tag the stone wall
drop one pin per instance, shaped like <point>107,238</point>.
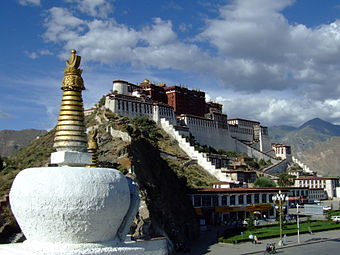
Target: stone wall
<point>207,133</point>
<point>277,167</point>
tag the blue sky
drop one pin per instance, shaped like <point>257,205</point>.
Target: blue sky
<point>275,61</point>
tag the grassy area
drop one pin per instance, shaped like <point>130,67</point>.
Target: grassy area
<point>334,212</point>
<point>271,231</point>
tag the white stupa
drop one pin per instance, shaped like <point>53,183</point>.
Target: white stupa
<point>71,209</point>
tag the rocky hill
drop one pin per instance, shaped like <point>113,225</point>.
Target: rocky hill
<point>149,155</point>
<point>314,143</point>
<point>12,140</point>
<point>324,157</point>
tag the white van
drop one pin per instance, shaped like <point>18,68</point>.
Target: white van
<point>335,218</point>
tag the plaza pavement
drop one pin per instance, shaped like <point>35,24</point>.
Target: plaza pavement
<point>207,244</point>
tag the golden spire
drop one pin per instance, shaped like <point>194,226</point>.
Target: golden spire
<point>70,134</point>
<point>93,147</point>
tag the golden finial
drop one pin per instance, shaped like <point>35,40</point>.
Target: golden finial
<point>70,134</point>
<point>93,147</point>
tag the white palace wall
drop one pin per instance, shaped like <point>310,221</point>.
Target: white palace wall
<point>135,109</point>
<point>206,132</point>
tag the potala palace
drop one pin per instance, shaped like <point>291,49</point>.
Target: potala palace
<point>184,113</point>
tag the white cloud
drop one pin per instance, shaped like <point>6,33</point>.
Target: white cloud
<point>32,55</point>
<point>272,110</point>
<point>35,55</point>
<point>94,8</point>
<point>30,2</point>
<point>252,49</point>
<point>257,48</point>
<point>62,25</point>
<point>45,52</point>
<point>4,115</point>
<point>269,52</point>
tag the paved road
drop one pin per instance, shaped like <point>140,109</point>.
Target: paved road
<point>317,244</point>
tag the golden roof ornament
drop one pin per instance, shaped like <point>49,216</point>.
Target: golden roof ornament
<point>93,147</point>
<point>70,134</point>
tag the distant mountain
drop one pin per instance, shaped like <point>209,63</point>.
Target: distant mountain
<point>12,140</point>
<point>324,157</point>
<point>277,132</point>
<point>315,143</point>
<point>322,126</point>
<point>306,136</point>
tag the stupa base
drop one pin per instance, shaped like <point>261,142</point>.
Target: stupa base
<point>152,247</point>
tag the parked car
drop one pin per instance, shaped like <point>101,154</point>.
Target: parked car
<point>327,208</point>
<point>335,218</point>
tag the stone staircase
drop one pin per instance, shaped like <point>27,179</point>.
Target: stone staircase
<point>304,167</point>
<point>201,158</point>
<point>278,167</point>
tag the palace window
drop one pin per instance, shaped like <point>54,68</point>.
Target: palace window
<point>206,201</point>
<point>232,200</point>
<point>197,201</point>
<point>256,198</point>
<point>249,199</point>
<point>214,200</point>
<point>241,199</point>
<point>224,200</point>
<point>264,198</point>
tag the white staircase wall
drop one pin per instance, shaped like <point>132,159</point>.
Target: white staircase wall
<point>192,153</point>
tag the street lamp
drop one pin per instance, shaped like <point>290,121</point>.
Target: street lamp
<point>279,200</point>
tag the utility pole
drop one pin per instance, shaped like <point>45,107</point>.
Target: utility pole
<point>297,222</point>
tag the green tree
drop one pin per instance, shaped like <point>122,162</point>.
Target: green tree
<point>264,182</point>
<point>101,101</point>
<point>286,180</point>
<point>329,215</point>
<point>252,163</point>
<point>250,222</point>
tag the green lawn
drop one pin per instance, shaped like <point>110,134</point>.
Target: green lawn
<point>270,231</point>
<point>335,212</point>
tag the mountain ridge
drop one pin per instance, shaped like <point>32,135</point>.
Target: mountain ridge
<point>13,140</point>
<point>313,144</point>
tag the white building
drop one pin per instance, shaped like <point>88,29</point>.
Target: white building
<point>328,184</point>
<point>282,151</point>
<point>250,132</point>
<point>134,107</point>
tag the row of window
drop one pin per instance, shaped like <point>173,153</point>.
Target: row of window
<point>230,200</point>
<point>312,181</point>
<point>300,193</point>
<point>135,107</point>
<point>312,186</point>
<point>164,111</point>
<point>200,122</point>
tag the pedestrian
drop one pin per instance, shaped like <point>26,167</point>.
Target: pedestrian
<point>310,230</point>
<point>256,241</point>
<point>251,238</point>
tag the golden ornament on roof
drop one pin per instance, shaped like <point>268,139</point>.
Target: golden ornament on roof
<point>70,133</point>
